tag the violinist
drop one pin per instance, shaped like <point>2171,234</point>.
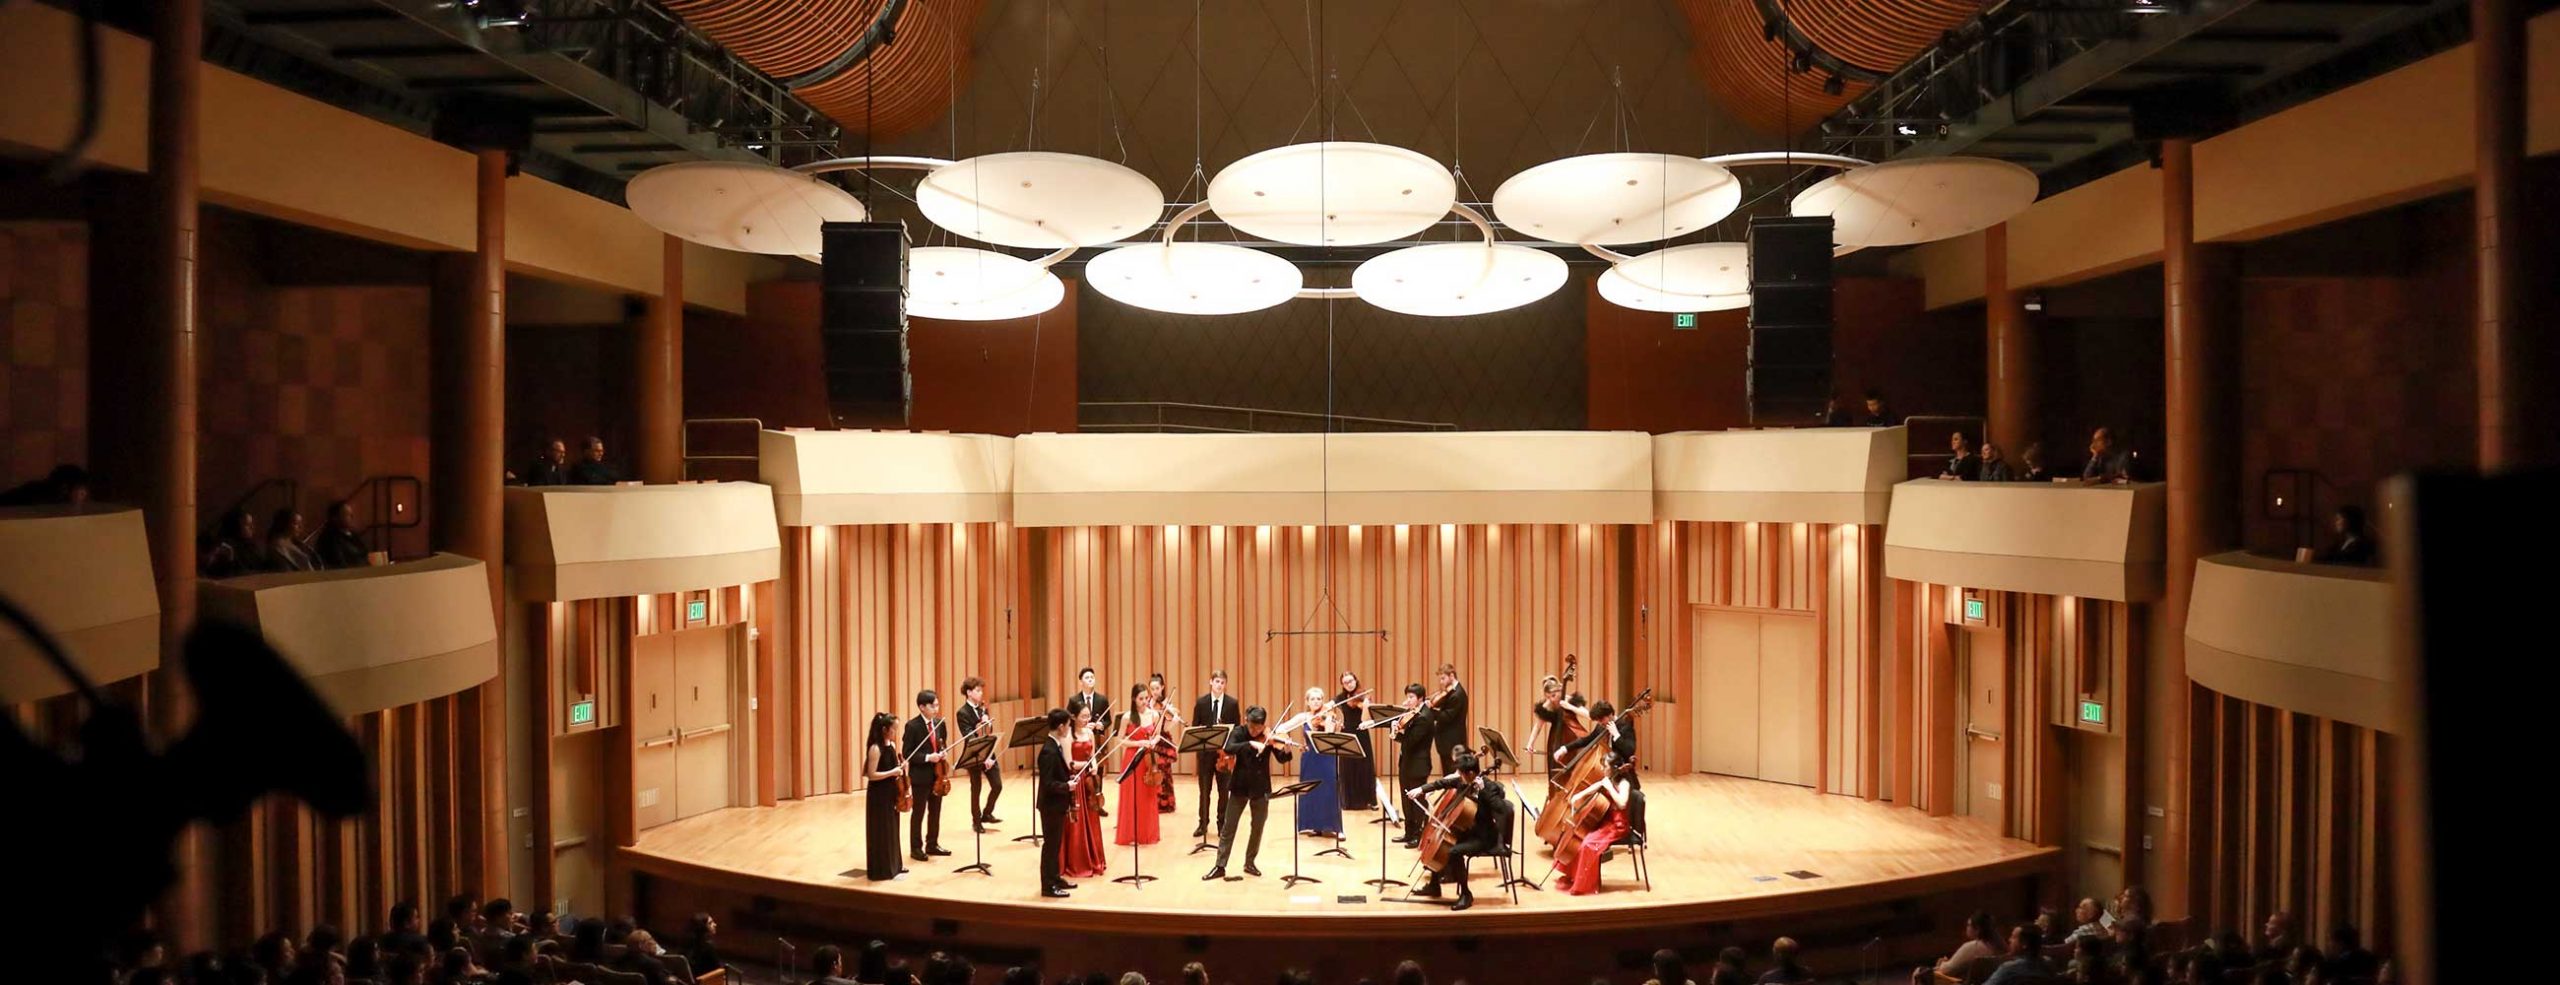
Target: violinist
<point>1254,747</point>
<point>1213,708</point>
<point>928,742</point>
<point>1142,736</point>
<point>1094,704</point>
<point>881,768</point>
<point>975,717</point>
<point>1578,854</point>
<point>1057,793</point>
<point>1359,775</point>
<point>1415,734</point>
<point>1618,739</point>
<point>1566,717</point>
<point>1452,705</point>
<point>1485,837</point>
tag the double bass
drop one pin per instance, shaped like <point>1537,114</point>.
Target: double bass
<point>1569,718</point>
<point>1585,770</point>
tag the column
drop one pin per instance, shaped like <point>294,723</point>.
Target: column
<point>2203,499</point>
<point>2009,350</point>
<point>659,450</point>
<point>2502,336</point>
<point>466,510</point>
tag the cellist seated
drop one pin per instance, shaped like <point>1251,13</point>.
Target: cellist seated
<point>1475,837</point>
<point>1599,821</point>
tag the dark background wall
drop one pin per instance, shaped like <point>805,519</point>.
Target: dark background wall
<point>44,346</point>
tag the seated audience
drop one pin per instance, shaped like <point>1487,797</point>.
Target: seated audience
<point>284,543</point>
<point>235,549</point>
<point>552,468</point>
<point>1732,968</point>
<point>340,544</point>
<point>2026,962</point>
<point>404,934</point>
<point>1962,465</point>
<point>273,954</point>
<point>1410,973</point>
<point>826,966</point>
<point>1877,415</point>
<point>66,485</point>
<point>1668,969</point>
<point>2108,461</point>
<point>2354,545</point>
<point>1195,973</point>
<point>1981,945</point>
<point>2031,467</point>
<point>1995,468</point>
<point>2276,938</point>
<point>699,952</point>
<point>2348,960</point>
<point>593,471</point>
<point>2088,920</point>
<point>1782,952</point>
<point>498,922</point>
<point>642,956</point>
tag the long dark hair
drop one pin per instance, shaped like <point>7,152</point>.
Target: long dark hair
<point>881,722</point>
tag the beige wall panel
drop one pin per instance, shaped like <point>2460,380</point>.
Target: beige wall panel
<point>86,577</point>
<point>1803,475</point>
<point>1729,693</point>
<point>1789,664</point>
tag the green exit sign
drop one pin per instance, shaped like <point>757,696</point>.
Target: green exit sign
<point>1975,610</point>
<point>2093,712</point>
<point>583,712</point>
<point>697,610</point>
<point>1685,319</point>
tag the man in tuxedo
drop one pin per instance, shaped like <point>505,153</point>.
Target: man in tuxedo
<point>1089,699</point>
<point>1213,708</point>
<point>1057,793</point>
<point>1618,737</point>
<point>1489,836</point>
<point>1254,747</point>
<point>928,741</point>
<point>1415,737</point>
<point>973,717</point>
<point>1453,718</point>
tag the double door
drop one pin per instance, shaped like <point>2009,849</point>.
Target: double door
<point>681,717</point>
<point>1756,676</point>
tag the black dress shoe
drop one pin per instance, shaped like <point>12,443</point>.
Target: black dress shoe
<point>1251,871</point>
<point>919,856</point>
<point>1200,832</point>
<point>938,850</point>
<point>977,829</point>
<point>1054,893</point>
<point>1214,874</point>
<point>1429,890</point>
<point>992,819</point>
<point>1409,844</point>
<point>1465,900</point>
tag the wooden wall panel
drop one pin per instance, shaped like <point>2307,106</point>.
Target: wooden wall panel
<point>2301,817</point>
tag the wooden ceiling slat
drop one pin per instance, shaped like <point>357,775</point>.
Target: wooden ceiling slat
<point>784,38</point>
<point>1749,73</point>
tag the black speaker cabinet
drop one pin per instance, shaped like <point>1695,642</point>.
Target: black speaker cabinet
<point>863,317</point>
<point>1790,318</point>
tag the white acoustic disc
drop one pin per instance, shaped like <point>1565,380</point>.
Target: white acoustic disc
<point>1615,199</point>
<point>1333,193</point>
<point>735,205</point>
<point>1041,200</point>
<point>1449,279</point>
<point>1696,277</point>
<point>1194,278</point>
<point>959,283</point>
<point>1898,203</point>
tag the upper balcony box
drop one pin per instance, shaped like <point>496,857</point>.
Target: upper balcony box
<point>830,478</point>
<point>2099,542</point>
<point>583,542</point>
<point>85,576</point>
<point>367,639</point>
<point>1808,475</point>
<point>2308,638</point>
<point>1065,480</point>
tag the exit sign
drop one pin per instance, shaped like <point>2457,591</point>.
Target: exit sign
<point>2093,712</point>
<point>697,610</point>
<point>583,712</point>
<point>1685,319</point>
<point>1975,610</point>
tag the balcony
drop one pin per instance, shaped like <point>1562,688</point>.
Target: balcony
<point>85,576</point>
<point>580,542</point>
<point>367,639</point>
<point>1810,475</point>
<point>2308,638</point>
<point>831,478</point>
<point>2100,542</point>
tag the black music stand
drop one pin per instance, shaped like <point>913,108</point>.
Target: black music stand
<point>1136,878</point>
<point>1343,747</point>
<point>1200,739</point>
<point>1029,732</point>
<point>1291,880</point>
<point>975,750</point>
<point>1520,845</point>
<point>1503,757</point>
<point>1381,736</point>
<point>1390,804</point>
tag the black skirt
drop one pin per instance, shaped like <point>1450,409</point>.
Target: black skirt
<point>880,822</point>
<point>1359,776</point>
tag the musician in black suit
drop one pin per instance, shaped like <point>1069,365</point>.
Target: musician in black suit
<point>928,742</point>
<point>1057,793</point>
<point>1620,736</point>
<point>1213,708</point>
<point>1254,747</point>
<point>974,715</point>
<point>1453,718</point>
<point>1415,736</point>
<point>1487,837</point>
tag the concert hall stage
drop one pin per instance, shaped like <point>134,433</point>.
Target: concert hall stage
<point>1726,852</point>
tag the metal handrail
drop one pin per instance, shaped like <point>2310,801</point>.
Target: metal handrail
<point>292,497</point>
<point>684,441</point>
<point>1251,415</point>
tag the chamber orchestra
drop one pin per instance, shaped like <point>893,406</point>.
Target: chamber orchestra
<point>1098,761</point>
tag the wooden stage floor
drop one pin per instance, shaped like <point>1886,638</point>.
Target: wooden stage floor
<point>1723,848</point>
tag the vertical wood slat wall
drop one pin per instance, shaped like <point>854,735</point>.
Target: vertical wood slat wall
<point>2300,821</point>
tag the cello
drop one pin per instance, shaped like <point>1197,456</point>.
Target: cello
<point>1585,769</point>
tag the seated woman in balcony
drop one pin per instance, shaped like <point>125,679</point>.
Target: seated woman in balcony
<point>2031,466</point>
<point>235,549</point>
<point>284,543</point>
<point>2354,545</point>
<point>1994,467</point>
<point>1962,464</point>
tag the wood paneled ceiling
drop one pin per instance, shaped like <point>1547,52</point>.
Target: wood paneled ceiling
<point>893,89</point>
<point>1748,69</point>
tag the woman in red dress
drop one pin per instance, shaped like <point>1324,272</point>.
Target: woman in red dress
<point>1144,743</point>
<point>1083,855</point>
<point>1579,852</point>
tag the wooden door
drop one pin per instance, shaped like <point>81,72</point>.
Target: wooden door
<point>1986,722</point>
<point>703,747</point>
<point>1787,692</point>
<point>1726,729</point>
<point>652,721</point>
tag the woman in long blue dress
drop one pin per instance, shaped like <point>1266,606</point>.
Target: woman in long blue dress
<point>1320,809</point>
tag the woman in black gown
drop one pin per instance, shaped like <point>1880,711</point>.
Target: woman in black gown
<point>881,767</point>
<point>1359,776</point>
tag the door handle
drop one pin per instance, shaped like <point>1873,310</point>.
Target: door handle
<point>668,739</point>
<point>706,730</point>
<point>1977,732</point>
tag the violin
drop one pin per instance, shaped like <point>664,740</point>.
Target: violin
<point>941,767</point>
<point>906,789</point>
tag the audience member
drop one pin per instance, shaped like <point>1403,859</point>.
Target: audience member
<point>2348,960</point>
<point>2276,938</point>
<point>2108,461</point>
<point>1877,415</point>
<point>1981,944</point>
<point>1962,465</point>
<point>235,549</point>
<point>1732,967</point>
<point>273,954</point>
<point>552,467</point>
<point>2026,959</point>
<point>593,471</point>
<point>700,953</point>
<point>874,968</point>
<point>1995,468</point>
<point>826,966</point>
<point>404,933</point>
<point>1782,952</point>
<point>66,485</point>
<point>284,543</point>
<point>642,956</point>
<point>1669,969</point>
<point>2354,545</point>
<point>1195,973</point>
<point>340,544</point>
<point>2031,467</point>
<point>1410,973</point>
<point>498,922</point>
<point>2088,920</point>
<point>1132,978</point>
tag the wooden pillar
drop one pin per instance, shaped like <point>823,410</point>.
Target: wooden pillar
<point>660,363</point>
<point>2203,495</point>
<point>2497,203</point>
<point>2010,352</point>
<point>466,474</point>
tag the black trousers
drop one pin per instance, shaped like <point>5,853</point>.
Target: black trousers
<point>994,780</point>
<point>1450,745</point>
<point>1207,768</point>
<point>1466,850</point>
<point>1053,842</point>
<point>1234,813</point>
<point>1408,778</point>
<point>924,824</point>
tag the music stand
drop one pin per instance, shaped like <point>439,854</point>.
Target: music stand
<point>1381,736</point>
<point>975,749</point>
<point>1199,739</point>
<point>1291,880</point>
<point>1343,747</point>
<point>1520,845</point>
<point>1392,807</point>
<point>1500,747</point>
<point>1028,732</point>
